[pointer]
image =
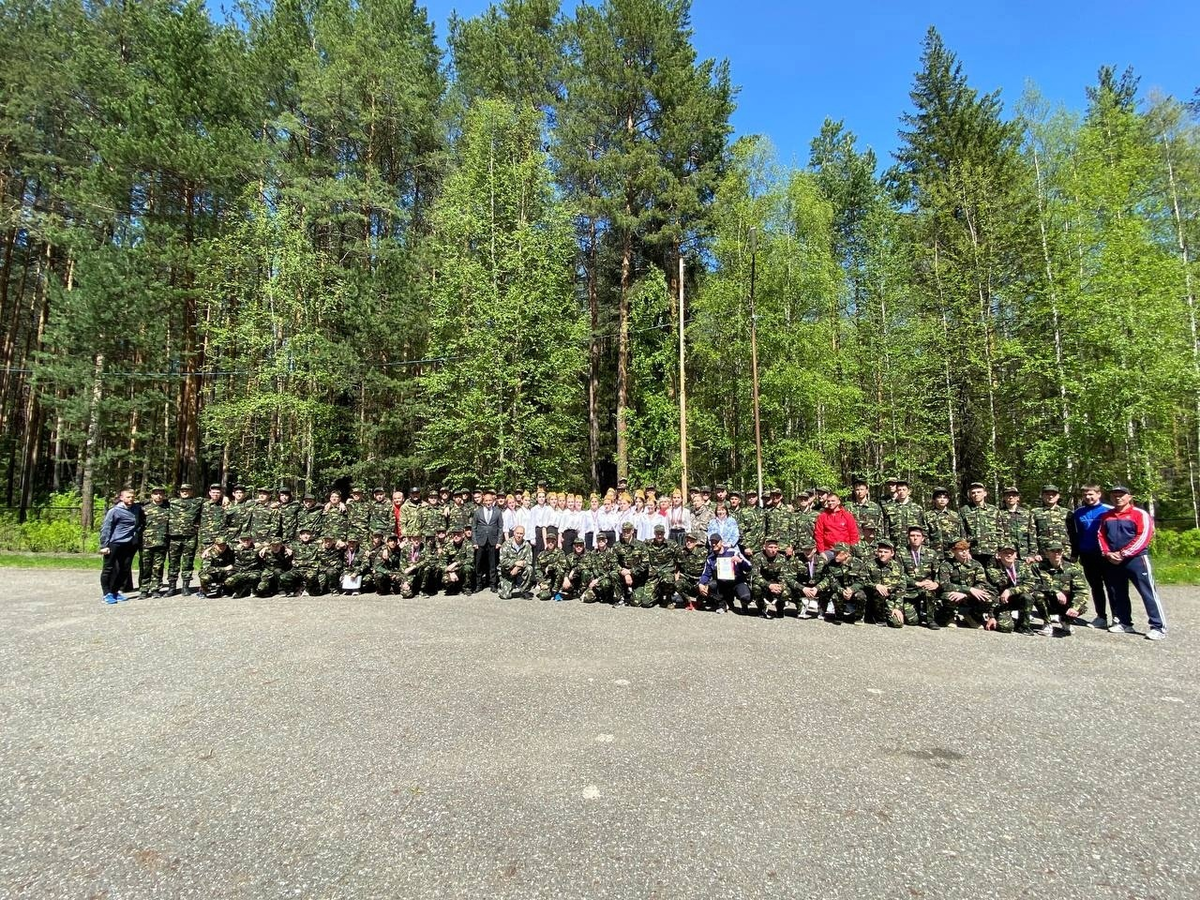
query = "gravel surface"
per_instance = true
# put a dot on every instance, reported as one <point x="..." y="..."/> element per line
<point x="473" y="747"/>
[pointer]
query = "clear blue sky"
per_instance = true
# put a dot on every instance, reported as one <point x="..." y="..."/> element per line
<point x="798" y="62"/>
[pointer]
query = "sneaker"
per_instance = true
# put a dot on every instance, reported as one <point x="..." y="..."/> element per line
<point x="109" y="599"/>
<point x="1156" y="634"/>
<point x="121" y="598"/>
<point x="1066" y="629"/>
<point x="199" y="595"/>
<point x="1119" y="628"/>
<point x="721" y="610"/>
<point x="1099" y="622"/>
<point x="1046" y="630"/>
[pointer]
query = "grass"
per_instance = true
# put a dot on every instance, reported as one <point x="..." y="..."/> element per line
<point x="1176" y="570"/>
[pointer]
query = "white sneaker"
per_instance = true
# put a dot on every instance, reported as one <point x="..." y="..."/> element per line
<point x="1098" y="622"/>
<point x="1046" y="630"/>
<point x="1156" y="634"/>
<point x="1118" y="628"/>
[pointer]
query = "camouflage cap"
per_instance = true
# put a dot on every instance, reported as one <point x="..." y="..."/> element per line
<point x="660" y="528"/>
<point x="884" y="545"/>
<point x="276" y="540"/>
<point x="737" y="494"/>
<point x="304" y="529"/>
<point x="941" y="491"/>
<point x="1005" y="545"/>
<point x="1054" y="546"/>
<point x="220" y="539"/>
<point x="214" y="487"/>
<point x="1050" y="489"/>
<point x="378" y="489"/>
<point x="186" y="486"/>
<point x="579" y="541"/>
<point x="841" y="547"/>
<point x="869" y="522"/>
<point x="694" y="536"/>
<point x="158" y="489"/>
<point x="1011" y="490"/>
<point x="551" y="531"/>
<point x="976" y="484"/>
<point x="457" y="529"/>
<point x="704" y="489"/>
<point x="857" y="480"/>
<point x="901" y="482"/>
<point x="776" y="492"/>
<point x="626" y="526"/>
<point x="352" y="540"/>
<point x="247" y="537"/>
<point x="284" y="490"/>
<point x="602" y="536"/>
<point x="891" y="481"/>
<point x="309" y="497"/>
<point x="259" y="490"/>
<point x="771" y="539"/>
<point x="356" y="489"/>
<point x="376" y="534"/>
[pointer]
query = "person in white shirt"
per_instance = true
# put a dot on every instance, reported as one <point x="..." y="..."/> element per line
<point x="608" y="519"/>
<point x="679" y="519"/>
<point x="509" y="516"/>
<point x="590" y="522"/>
<point x="540" y="517"/>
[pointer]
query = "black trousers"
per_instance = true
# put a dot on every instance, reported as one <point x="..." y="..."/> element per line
<point x="487" y="561"/>
<point x="118" y="567"/>
<point x="1094" y="569"/>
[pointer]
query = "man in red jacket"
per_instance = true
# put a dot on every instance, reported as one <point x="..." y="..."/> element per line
<point x="835" y="525"/>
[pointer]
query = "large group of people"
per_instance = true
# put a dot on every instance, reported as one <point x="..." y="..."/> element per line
<point x="846" y="558"/>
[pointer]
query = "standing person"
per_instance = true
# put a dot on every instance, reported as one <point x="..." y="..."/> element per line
<point x="725" y="525"/>
<point x="1125" y="536"/>
<point x="1015" y="525"/>
<point x="943" y="525"/>
<point x="861" y="505"/>
<point x="486" y="535"/>
<point x="289" y="515"/>
<point x="212" y="516"/>
<point x="183" y="537"/>
<point x="156" y="522"/>
<point x="1084" y="530"/>
<point x="834" y="525"/>
<point x="1049" y="523"/>
<point x="981" y="524"/>
<point x="118" y="542"/>
<point x="902" y="514"/>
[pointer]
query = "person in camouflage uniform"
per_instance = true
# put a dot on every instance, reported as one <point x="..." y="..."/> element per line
<point x="1062" y="589"/>
<point x="808" y="573"/>
<point x="306" y="564"/>
<point x="943" y="525"/>
<point x="182" y="537"/>
<point x="329" y="573"/>
<point x="750" y="524"/>
<point x="379" y="519"/>
<point x="516" y="566"/>
<point x="1012" y="522"/>
<point x="632" y="568"/>
<point x="861" y="505"/>
<point x="701" y="510"/>
<point x="432" y="520"/>
<point x="386" y="572"/>
<point x="276" y="568"/>
<point x="902" y="514"/>
<point x="410" y="514"/>
<point x="456" y="563"/>
<point x="461" y="512"/>
<point x="550" y="568"/>
<point x="212" y="517"/>
<point x="771" y="582"/>
<point x="921" y="573"/>
<point x="1049" y="524"/>
<point x="376" y="553"/>
<point x="596" y="577"/>
<point x="289" y="515"/>
<point x="693" y="557"/>
<point x="981" y="524"/>
<point x="777" y="520"/>
<point x="247" y="565"/>
<point x="804" y="520"/>
<point x="865" y="548"/>
<point x="333" y="518"/>
<point x="156" y="525"/>
<point x="216" y="564"/>
<point x="1016" y="588"/>
<point x="356" y="562"/>
<point x="235" y="515"/>
<point x="358" y="516"/>
<point x="577" y="568"/>
<point x="662" y="564"/>
<point x="262" y="519"/>
<point x="964" y="588"/>
<point x="845" y="584"/>
<point x="311" y="516"/>
<point x="887" y="588"/>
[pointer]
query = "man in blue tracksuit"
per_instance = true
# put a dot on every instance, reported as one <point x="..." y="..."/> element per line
<point x="1125" y="535"/>
<point x="118" y="542"/>
<point x="1084" y="530"/>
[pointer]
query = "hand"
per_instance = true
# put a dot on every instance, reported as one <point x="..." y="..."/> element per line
<point x="1005" y="595"/>
<point x="1072" y="613"/>
<point x="810" y="593"/>
<point x="979" y="593"/>
<point x="882" y="590"/>
<point x="703" y="588"/>
<point x="956" y="596"/>
<point x="104" y="551"/>
<point x="475" y="546"/>
<point x="1062" y="598"/>
<point x="775" y="589"/>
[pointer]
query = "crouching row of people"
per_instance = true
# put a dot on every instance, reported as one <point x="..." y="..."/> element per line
<point x="327" y="565"/>
<point x="917" y="586"/>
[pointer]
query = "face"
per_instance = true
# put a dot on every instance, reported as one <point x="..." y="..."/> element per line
<point x="860" y="492"/>
<point x="306" y="536"/>
<point x="397" y="498"/>
<point x="335" y="496"/>
<point x="601" y="542"/>
<point x="478" y="497"/>
<point x="916" y="539"/>
<point x="1011" y="500"/>
<point x="735" y="501"/>
<point x="833" y="501"/>
<point x="127" y="497"/>
<point x="264" y="497"/>
<point x="1055" y="557"/>
<point x="239" y="495"/>
<point x="716" y="545"/>
<point x="378" y="495"/>
<point x="1050" y="498"/>
<point x="458" y="537"/>
<point x="1091" y="496"/>
<point x="962" y="554"/>
<point x="722" y="512"/>
<point x="594" y="504"/>
<point x="690" y="544"/>
<point x="518" y="534"/>
<point x="1121" y="500"/>
<point x="884" y="554"/>
<point x="977" y="495"/>
<point x="841" y="557"/>
<point x="157" y="497"/>
<point x="771" y="550"/>
<point x="309" y="502"/>
<point x="541" y="497"/>
<point x="459" y="499"/>
<point x="185" y="493"/>
<point x="551" y="542"/>
<point x="941" y="501"/>
<point x="579" y="549"/>
<point x="902" y="491"/>
<point x="214" y="494"/>
<point x="489" y="498"/>
<point x="1006" y="557"/>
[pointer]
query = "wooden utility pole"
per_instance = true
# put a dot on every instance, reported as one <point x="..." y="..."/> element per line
<point x="754" y="356"/>
<point x="682" y="393"/>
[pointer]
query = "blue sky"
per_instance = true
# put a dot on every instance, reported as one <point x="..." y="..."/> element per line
<point x="797" y="63"/>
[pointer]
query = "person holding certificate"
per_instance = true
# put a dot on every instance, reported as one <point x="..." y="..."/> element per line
<point x="726" y="575"/>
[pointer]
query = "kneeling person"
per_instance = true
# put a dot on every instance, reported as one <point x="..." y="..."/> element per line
<point x="1062" y="589"/>
<point x="550" y="568"/>
<point x="516" y="566"/>
<point x="886" y="585"/>
<point x="457" y="563"/>
<point x="216" y="563"/>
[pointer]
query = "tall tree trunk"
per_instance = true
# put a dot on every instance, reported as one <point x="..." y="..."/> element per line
<point x="623" y="353"/>
<point x="593" y="398"/>
<point x="92" y="442"/>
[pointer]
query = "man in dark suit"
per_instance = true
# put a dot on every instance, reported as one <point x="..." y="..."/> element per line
<point x="486" y="531"/>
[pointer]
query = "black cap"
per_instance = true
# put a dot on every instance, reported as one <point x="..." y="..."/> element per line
<point x="378" y="489"/>
<point x="285" y="490"/>
<point x="185" y="486"/>
<point x="901" y="481"/>
<point x="1119" y="489"/>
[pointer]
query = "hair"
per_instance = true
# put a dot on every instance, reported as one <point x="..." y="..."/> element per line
<point x="1092" y="486"/>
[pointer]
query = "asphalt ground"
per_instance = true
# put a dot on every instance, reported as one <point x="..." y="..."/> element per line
<point x="473" y="747"/>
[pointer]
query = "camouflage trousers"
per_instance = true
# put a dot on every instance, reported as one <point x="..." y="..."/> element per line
<point x="182" y="552"/>
<point x="212" y="580"/>
<point x="896" y="610"/>
<point x="521" y="584"/>
<point x="657" y="591"/>
<point x="150" y="568"/>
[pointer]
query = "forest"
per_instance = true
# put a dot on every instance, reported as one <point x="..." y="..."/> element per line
<point x="315" y="241"/>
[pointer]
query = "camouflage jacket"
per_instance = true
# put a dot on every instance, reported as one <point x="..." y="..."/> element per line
<point x="1049" y="524"/>
<point x="662" y="560"/>
<point x="289" y="520"/>
<point x="890" y="575"/>
<point x="772" y="570"/>
<point x="691" y="563"/>
<point x="750" y="524"/>
<point x="246" y="559"/>
<point x="1026" y="580"/>
<point x="358" y="519"/>
<point x="867" y="509"/>
<point x="212" y="522"/>
<point x="943" y="527"/>
<point x="923" y="568"/>
<point x="185" y="516"/>
<point x="1067" y="578"/>
<point x="462" y="557"/>
<point x="312" y="519"/>
<point x="380" y="519"/>
<point x="804" y="524"/>
<point x="958" y="576"/>
<point x="1014" y="525"/>
<point x="631" y="555"/>
<point x="215" y="559"/>
<point x="981" y="526"/>
<point x="900" y="518"/>
<point x="851" y="574"/>
<point x="511" y="554"/>
<point x="306" y="557"/>
<point x="262" y="522"/>
<point x="551" y="568"/>
<point x="777" y="522"/>
<point x="276" y="563"/>
<point x="805" y="578"/>
<point x="410" y="518"/>
<point x="156" y="524"/>
<point x="235" y="519"/>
